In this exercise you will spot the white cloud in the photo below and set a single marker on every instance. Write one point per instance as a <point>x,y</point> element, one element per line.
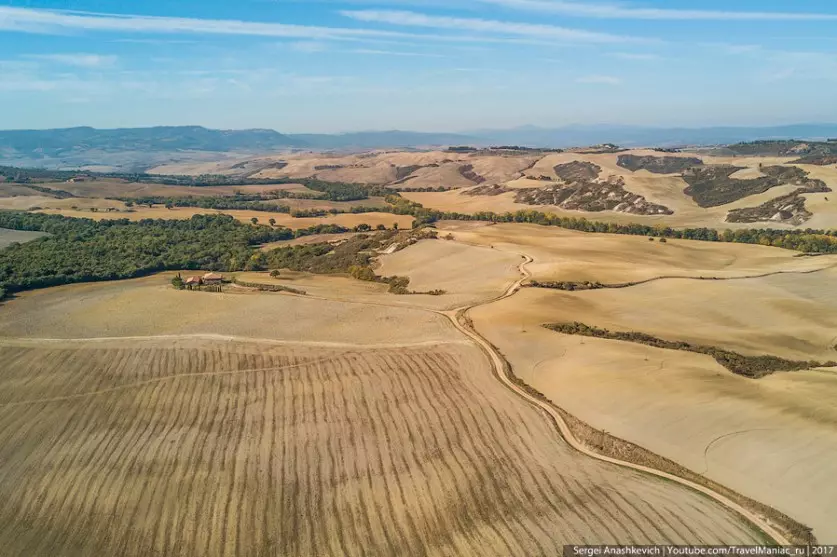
<point>55,21</point>
<point>534,31</point>
<point>79,59</point>
<point>625,11</point>
<point>599,80</point>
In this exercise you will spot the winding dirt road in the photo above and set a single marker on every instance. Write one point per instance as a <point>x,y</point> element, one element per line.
<point>457,316</point>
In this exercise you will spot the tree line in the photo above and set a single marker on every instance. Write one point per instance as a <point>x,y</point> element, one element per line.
<point>806,241</point>
<point>246,202</point>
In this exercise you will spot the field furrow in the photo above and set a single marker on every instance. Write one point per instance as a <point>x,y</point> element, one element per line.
<point>234,449</point>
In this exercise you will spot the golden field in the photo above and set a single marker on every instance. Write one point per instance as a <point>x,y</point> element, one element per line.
<point>265,424</point>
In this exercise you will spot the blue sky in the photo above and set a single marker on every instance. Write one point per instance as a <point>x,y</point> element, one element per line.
<point>428,65</point>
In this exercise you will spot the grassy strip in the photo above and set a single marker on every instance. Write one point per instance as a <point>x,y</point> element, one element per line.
<point>753,367</point>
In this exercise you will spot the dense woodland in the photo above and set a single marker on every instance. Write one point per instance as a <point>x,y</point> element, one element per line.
<point>83,250</point>
<point>247,202</point>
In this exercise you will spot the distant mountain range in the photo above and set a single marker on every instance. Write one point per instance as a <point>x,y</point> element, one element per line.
<point>136,148</point>
<point>638,136</point>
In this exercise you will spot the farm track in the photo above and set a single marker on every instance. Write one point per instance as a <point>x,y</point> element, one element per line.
<point>501,366</point>
<point>675,277</point>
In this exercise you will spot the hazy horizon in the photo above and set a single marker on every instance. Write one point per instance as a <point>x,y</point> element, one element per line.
<point>357,65</point>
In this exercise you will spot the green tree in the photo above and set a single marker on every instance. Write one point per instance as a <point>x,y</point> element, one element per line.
<point>272,222</point>
<point>254,220</point>
<point>274,273</point>
<point>177,282</point>
<point>257,262</point>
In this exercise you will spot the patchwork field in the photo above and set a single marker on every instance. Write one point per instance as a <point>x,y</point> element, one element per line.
<point>342,419</point>
<point>661,189</point>
<point>345,436</point>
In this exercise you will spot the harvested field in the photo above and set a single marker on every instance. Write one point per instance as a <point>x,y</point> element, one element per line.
<point>43,202</point>
<point>725,424</point>
<point>348,220</point>
<point>20,236</point>
<point>15,190</point>
<point>120,309</point>
<point>120,188</point>
<point>468,274</point>
<point>206,446</point>
<point>567,255</point>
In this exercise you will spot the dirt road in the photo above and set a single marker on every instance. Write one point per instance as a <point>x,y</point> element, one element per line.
<point>458,318</point>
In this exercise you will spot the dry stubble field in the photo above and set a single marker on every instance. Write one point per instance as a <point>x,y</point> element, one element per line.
<point>343,436</point>
<point>771,439</point>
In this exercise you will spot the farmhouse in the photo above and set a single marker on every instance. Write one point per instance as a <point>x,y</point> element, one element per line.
<point>212,278</point>
<point>193,281</point>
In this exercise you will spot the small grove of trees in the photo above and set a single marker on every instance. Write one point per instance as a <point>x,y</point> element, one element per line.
<point>178,283</point>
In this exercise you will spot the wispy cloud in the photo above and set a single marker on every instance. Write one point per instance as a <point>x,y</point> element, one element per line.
<point>599,80</point>
<point>626,11</point>
<point>529,30</point>
<point>80,60</point>
<point>56,21</point>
